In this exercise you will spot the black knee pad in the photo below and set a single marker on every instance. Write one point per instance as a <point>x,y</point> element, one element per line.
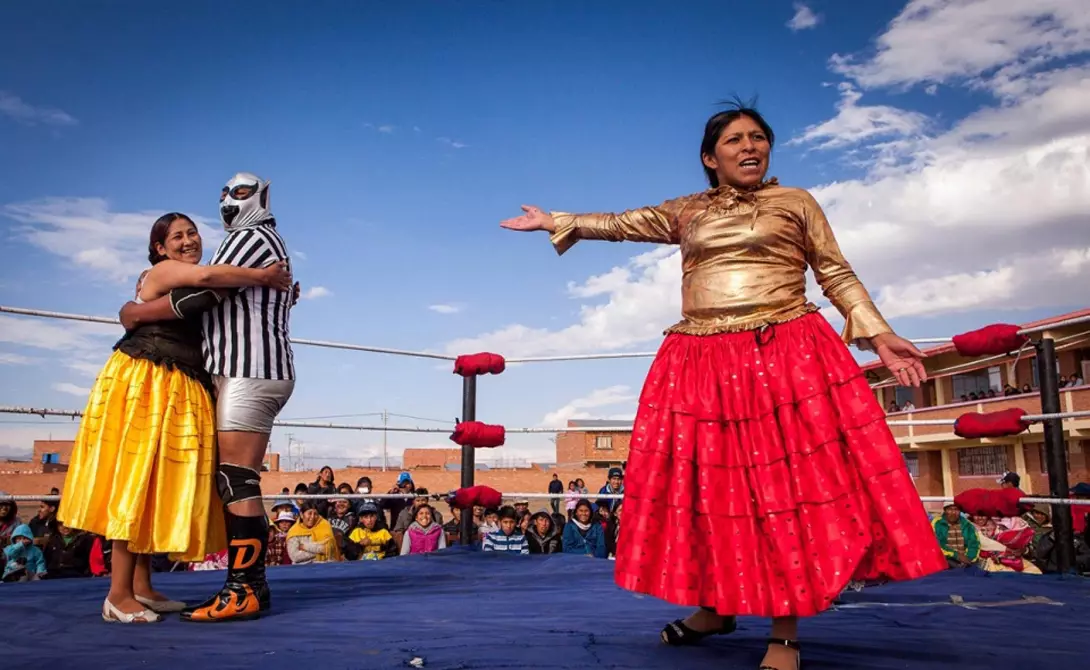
<point>236,483</point>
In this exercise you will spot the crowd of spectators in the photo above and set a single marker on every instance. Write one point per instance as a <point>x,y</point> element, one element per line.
<point>303,531</point>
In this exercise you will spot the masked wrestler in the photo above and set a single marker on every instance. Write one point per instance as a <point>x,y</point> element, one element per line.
<point>248,354</point>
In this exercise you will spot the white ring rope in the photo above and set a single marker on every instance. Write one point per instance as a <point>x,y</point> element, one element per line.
<point>618,428</point>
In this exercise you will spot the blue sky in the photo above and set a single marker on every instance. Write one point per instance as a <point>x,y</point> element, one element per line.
<point>396,137</point>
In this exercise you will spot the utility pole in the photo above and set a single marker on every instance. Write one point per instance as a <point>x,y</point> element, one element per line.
<point>290,436</point>
<point>385,421</point>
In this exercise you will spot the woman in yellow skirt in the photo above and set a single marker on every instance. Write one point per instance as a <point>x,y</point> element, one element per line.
<point>143,464</point>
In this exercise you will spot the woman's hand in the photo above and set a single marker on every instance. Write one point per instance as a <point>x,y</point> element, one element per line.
<point>533,219</point>
<point>901,358</point>
<point>277,276</point>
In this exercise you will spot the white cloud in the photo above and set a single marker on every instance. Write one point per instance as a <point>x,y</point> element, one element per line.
<point>596,400</point>
<point>453,144</point>
<point>64,226</point>
<point>855,123</point>
<point>76,338</point>
<point>66,387</point>
<point>944,41</point>
<point>385,128</point>
<point>16,359</point>
<point>445,309</point>
<point>804,18</point>
<point>299,254</point>
<point>16,108</point>
<point>315,292</point>
<point>990,213</point>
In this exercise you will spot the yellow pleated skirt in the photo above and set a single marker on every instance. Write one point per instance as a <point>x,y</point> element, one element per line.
<point>143,464</point>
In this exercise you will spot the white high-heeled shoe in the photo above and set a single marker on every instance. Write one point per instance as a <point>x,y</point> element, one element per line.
<point>111,614</point>
<point>161,606</point>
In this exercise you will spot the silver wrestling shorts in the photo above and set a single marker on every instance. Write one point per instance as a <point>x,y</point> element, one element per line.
<point>249,405</point>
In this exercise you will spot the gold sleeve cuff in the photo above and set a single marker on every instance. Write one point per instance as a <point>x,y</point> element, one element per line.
<point>566,234</point>
<point>863,322</point>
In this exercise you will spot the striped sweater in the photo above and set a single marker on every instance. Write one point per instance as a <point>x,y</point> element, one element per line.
<point>497,541</point>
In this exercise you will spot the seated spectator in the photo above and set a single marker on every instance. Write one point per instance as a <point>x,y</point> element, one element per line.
<point>559,520</point>
<point>1026,388</point>
<point>423,535</point>
<point>522,506</point>
<point>509,537</point>
<point>453,528</point>
<point>342,518</point>
<point>1009,390</point>
<point>214,561</point>
<point>311,539</point>
<point>368,542</point>
<point>543,537</point>
<point>101,556</point>
<point>583,535</point>
<point>614,486</point>
<point>277,553</point>
<point>491,522</point>
<point>613,531</point>
<point>524,521</point>
<point>404,486</point>
<point>300,489</point>
<point>68,553</point>
<point>283,505</point>
<point>44,524</point>
<point>1002,546</point>
<point>957,537</point>
<point>24,562</point>
<point>408,515</point>
<point>9,519</point>
<point>603,514</point>
<point>364,486</point>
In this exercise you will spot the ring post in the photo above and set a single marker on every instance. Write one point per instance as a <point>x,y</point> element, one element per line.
<point>1055,454</point>
<point>469,413</point>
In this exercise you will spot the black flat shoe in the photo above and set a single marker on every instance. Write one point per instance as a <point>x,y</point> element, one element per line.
<point>790,644</point>
<point>677,634</point>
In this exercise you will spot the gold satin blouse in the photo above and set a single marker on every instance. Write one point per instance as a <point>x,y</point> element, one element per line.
<point>744,256</point>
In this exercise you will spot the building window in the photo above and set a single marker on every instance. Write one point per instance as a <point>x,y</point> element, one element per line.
<point>982,461</point>
<point>53,457</point>
<point>913,463</point>
<point>977,381</point>
<point>903,395</point>
<point>603,442</point>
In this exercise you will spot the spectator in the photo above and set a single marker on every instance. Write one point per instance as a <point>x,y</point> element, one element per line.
<point>581,486</point>
<point>1026,388</point>
<point>908,406</point>
<point>957,537</point>
<point>571,498</point>
<point>68,553</point>
<point>613,486</point>
<point>613,531</point>
<point>543,537</point>
<point>408,515</point>
<point>508,538</point>
<point>277,553</point>
<point>311,539</point>
<point>45,523</point>
<point>283,505</point>
<point>1009,390</point>
<point>341,516</point>
<point>491,522</point>
<point>522,506</point>
<point>453,528</point>
<point>555,488</point>
<point>582,535</point>
<point>9,519</point>
<point>101,556</point>
<point>323,485</point>
<point>404,486</point>
<point>368,542</point>
<point>423,535</point>
<point>364,486</point>
<point>524,522</point>
<point>24,561</point>
<point>893,408</point>
<point>559,521</point>
<point>300,489</point>
<point>1009,480</point>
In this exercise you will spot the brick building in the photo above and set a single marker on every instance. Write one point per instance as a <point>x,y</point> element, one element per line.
<point>431,459</point>
<point>601,443</point>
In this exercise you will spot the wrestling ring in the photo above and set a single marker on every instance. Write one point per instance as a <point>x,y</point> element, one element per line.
<point>460,609</point>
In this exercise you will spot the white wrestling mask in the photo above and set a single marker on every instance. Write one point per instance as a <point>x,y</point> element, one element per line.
<point>244,201</point>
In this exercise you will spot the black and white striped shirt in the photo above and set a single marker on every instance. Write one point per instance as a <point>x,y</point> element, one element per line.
<point>246,335</point>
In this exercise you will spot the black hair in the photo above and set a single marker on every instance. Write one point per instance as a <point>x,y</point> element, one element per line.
<point>508,512</point>
<point>159,231</point>
<point>735,109</point>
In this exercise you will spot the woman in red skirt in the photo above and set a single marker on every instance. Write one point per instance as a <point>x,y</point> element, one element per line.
<point>762,476</point>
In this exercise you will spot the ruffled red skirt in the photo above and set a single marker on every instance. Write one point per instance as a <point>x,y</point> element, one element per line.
<point>762,477</point>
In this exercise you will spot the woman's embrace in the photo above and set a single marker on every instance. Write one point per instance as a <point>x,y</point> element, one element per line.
<point>143,462</point>
<point>758,443</point>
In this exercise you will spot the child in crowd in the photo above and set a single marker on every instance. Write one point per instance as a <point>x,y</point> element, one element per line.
<point>491,522</point>
<point>543,537</point>
<point>583,534</point>
<point>24,562</point>
<point>613,530</point>
<point>509,537</point>
<point>277,553</point>
<point>367,541</point>
<point>423,535</point>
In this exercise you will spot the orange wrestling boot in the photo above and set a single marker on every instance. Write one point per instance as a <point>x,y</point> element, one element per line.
<point>245,595</point>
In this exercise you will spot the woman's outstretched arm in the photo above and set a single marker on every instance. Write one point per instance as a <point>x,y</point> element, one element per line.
<point>168,274</point>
